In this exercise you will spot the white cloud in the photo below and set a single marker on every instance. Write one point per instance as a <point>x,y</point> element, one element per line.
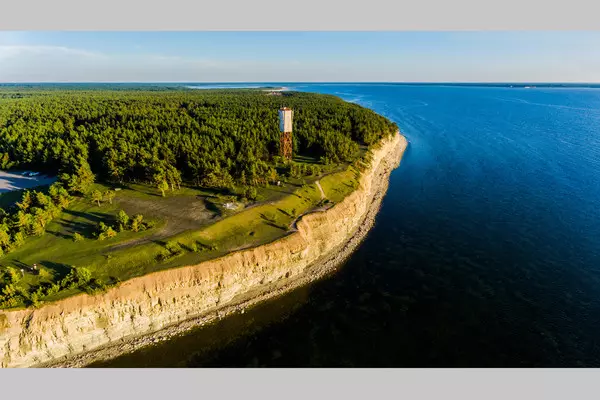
<point>30,63</point>
<point>20,63</point>
<point>7,51</point>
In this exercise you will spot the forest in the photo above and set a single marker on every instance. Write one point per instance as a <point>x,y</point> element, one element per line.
<point>217,139</point>
<point>212,138</point>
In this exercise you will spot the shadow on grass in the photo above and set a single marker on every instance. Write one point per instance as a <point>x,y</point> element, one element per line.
<point>60,270</point>
<point>94,217</point>
<point>271,222</point>
<point>59,234</point>
<point>85,228</point>
<point>150,193</point>
<point>212,207</point>
<point>127,186</point>
<point>21,265</point>
<point>161,243</point>
<point>285,212</point>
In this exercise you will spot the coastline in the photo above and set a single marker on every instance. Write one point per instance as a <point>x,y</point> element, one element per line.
<point>244,296</point>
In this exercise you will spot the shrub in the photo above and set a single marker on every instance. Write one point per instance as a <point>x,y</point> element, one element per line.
<point>34,300</point>
<point>164,255</point>
<point>106,232</point>
<point>77,277</point>
<point>136,223</point>
<point>95,286</point>
<point>9,290</point>
<point>12,275</point>
<point>250,193</point>
<point>77,237</point>
<point>123,219</point>
<point>110,232</point>
<point>44,274</point>
<point>174,247</point>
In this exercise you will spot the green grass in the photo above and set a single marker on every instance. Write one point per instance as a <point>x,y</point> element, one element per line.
<point>213,231</point>
<point>337,186</point>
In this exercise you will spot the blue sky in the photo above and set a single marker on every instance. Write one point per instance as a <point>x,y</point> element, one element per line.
<point>300,56</point>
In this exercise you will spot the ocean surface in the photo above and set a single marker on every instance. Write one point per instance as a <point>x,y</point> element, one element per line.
<point>486,251</point>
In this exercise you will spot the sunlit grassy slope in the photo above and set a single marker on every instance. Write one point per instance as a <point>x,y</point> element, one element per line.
<point>189,226</point>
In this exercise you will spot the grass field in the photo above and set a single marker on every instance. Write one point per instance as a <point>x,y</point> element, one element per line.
<point>189,226</point>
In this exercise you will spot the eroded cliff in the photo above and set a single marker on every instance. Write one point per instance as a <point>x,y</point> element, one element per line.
<point>76,328</point>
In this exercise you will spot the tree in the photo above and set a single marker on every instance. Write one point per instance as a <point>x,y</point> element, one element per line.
<point>110,195</point>
<point>110,232</point>
<point>4,236</point>
<point>18,238</point>
<point>163,186</point>
<point>25,202</point>
<point>106,232</point>
<point>136,223</point>
<point>122,220</point>
<point>81,179</point>
<point>97,196</point>
<point>40,218</point>
<point>174,177</point>
<point>77,277</point>
<point>272,174</point>
<point>250,193</point>
<point>86,178</point>
<point>21,220</point>
<point>42,200</point>
<point>5,162</point>
<point>12,275</point>
<point>83,275</point>
<point>59,195</point>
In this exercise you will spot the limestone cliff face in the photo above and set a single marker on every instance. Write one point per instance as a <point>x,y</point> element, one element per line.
<point>149,303</point>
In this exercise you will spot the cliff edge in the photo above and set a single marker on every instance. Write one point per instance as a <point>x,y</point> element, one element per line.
<point>81,329</point>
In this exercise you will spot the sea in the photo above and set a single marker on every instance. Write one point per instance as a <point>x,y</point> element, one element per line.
<point>485,253</point>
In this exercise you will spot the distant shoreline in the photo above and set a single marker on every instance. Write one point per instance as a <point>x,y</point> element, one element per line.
<point>285,85</point>
<point>263,88</point>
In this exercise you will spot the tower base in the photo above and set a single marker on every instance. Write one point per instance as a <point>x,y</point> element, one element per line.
<point>285,145</point>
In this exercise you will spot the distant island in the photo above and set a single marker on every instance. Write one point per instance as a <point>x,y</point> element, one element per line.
<point>163,180</point>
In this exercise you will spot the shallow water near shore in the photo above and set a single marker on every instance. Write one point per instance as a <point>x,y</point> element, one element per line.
<point>485,251</point>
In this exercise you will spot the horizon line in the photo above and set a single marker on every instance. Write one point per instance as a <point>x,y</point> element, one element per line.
<point>307,82</point>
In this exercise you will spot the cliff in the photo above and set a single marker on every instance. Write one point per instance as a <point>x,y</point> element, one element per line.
<point>80,329</point>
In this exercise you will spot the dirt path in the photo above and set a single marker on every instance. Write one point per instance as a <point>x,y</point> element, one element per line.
<point>321,190</point>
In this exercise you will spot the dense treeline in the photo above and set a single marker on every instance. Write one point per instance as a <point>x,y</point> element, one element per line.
<point>212,138</point>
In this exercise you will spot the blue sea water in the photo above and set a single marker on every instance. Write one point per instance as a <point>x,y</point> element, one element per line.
<point>486,251</point>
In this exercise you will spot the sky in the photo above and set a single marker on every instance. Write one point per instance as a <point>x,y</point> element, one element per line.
<point>275,56</point>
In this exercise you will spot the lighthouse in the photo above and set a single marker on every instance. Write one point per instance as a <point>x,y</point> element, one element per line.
<point>285,127</point>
